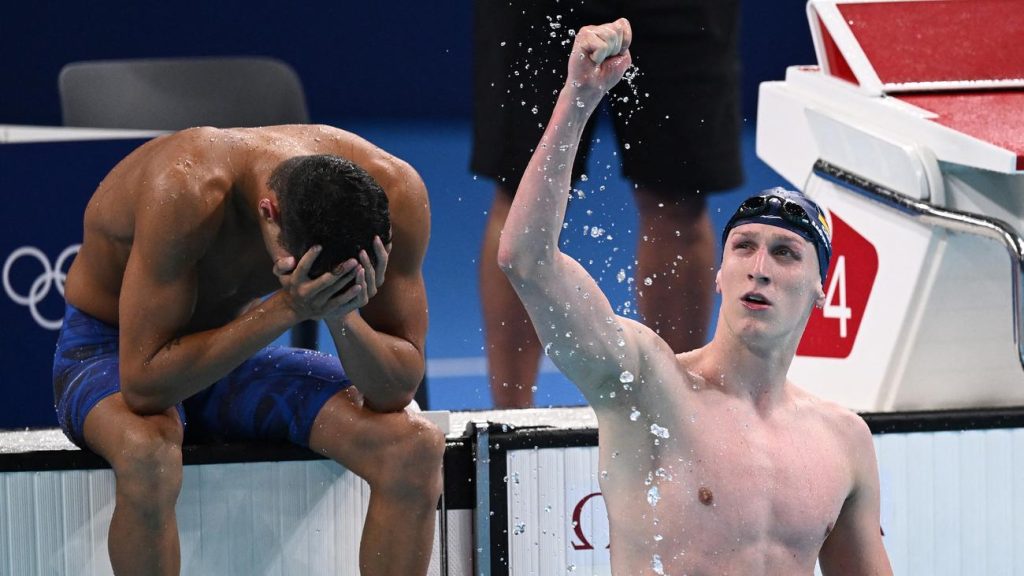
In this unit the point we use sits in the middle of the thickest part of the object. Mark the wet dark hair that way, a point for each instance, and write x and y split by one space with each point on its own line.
327 200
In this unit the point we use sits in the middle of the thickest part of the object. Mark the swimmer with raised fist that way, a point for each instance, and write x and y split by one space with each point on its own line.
711 461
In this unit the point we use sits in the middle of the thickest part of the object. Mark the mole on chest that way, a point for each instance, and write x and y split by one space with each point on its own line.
705 496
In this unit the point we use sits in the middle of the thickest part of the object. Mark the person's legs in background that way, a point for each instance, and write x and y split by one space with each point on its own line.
678 129
678 125
519 67
675 256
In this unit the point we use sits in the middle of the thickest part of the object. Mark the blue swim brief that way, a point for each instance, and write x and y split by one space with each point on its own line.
276 394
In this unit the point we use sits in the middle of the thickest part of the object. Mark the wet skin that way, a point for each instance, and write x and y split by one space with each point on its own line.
181 244
195 210
753 475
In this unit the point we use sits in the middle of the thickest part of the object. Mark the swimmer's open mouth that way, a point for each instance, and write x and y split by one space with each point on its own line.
756 298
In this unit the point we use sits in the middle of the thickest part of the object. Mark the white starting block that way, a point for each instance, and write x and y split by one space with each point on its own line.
910 133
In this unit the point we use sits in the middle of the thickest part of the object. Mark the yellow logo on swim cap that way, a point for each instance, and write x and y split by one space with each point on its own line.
824 225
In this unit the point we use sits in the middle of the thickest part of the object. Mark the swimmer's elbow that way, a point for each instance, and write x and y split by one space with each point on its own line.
142 404
506 257
136 396
519 259
393 403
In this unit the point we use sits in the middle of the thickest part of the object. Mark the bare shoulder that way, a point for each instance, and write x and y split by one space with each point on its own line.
844 424
841 419
180 175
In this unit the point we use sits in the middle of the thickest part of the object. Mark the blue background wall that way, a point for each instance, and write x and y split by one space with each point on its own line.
404 59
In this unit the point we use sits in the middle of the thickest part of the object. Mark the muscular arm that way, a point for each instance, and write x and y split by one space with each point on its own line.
855 546
161 364
580 331
381 347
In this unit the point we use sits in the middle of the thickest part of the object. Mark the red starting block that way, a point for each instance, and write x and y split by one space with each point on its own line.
910 133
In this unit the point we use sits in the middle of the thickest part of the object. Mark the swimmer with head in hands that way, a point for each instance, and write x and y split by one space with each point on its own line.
201 248
711 461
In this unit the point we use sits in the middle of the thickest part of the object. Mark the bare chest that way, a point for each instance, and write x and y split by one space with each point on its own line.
784 487
729 485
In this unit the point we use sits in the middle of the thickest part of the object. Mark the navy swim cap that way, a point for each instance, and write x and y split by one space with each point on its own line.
790 210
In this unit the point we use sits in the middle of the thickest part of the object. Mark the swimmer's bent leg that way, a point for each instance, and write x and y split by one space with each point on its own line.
304 396
144 451
399 455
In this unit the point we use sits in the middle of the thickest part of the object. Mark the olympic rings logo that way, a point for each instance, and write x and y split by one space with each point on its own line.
51 276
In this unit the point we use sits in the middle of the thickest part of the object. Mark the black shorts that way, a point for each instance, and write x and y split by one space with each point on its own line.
678 122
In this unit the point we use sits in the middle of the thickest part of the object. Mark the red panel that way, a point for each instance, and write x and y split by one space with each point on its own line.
837 64
942 40
831 331
994 116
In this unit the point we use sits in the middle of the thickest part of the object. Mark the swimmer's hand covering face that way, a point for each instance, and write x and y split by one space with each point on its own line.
347 287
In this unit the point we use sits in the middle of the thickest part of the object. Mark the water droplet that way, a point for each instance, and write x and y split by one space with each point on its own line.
656 565
658 538
547 349
634 415
626 377
520 527
570 568
653 495
620 276
648 281
659 431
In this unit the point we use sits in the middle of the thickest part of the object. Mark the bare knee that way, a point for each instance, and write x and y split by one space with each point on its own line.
147 462
411 459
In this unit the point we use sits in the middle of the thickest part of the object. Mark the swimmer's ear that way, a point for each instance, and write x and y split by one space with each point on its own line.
268 210
718 280
819 301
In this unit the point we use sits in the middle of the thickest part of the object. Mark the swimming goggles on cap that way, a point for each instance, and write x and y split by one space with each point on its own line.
791 212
